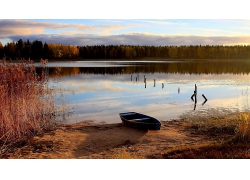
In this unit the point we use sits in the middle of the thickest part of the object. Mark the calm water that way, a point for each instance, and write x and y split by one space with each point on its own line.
103 89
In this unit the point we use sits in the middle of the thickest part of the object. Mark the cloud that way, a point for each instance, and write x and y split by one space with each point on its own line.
100 34
162 22
134 39
24 27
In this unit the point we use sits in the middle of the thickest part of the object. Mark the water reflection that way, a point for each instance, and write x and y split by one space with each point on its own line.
130 67
103 91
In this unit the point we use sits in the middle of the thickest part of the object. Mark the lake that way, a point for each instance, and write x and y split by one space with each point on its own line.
103 89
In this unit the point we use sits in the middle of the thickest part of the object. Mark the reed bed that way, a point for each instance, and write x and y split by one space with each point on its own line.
231 127
221 120
28 105
216 118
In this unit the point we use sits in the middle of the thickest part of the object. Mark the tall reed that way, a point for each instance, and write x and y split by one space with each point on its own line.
27 103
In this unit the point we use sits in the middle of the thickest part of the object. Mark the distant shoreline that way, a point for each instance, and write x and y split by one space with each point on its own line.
143 59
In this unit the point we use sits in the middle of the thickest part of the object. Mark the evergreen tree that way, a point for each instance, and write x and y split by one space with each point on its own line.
36 50
1 51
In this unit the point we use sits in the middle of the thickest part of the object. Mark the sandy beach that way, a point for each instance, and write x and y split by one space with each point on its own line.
87 140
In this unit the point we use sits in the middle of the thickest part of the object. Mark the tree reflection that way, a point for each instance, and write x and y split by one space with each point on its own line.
191 67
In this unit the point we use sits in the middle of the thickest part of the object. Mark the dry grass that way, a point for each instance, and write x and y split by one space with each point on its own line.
224 150
216 119
28 105
223 122
242 129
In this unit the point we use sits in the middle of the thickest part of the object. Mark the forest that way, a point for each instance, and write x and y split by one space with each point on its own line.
37 50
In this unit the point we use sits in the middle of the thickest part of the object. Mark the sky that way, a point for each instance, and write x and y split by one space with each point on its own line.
156 32
127 23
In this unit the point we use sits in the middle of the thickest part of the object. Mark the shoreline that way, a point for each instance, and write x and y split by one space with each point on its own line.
86 140
138 59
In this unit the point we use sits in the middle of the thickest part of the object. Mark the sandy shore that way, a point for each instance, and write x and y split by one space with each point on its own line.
86 140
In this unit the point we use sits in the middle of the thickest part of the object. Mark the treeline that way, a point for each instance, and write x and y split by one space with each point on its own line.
37 50
168 52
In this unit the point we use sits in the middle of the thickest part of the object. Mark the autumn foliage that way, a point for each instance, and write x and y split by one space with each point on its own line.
28 105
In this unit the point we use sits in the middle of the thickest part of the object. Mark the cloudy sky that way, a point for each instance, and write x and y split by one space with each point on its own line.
130 23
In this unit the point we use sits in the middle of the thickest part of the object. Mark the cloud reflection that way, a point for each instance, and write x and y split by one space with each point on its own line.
102 97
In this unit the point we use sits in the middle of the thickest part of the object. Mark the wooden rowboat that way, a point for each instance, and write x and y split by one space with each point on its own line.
140 121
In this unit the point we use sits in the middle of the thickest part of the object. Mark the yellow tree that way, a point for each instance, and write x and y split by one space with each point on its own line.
173 52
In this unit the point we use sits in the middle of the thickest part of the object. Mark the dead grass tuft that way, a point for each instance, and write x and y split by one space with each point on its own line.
242 129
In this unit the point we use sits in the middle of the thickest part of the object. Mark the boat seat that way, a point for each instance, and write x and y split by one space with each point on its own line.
140 119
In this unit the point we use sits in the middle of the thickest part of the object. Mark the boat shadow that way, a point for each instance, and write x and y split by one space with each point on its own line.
104 137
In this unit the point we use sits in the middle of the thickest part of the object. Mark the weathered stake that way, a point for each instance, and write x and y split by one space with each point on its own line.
204 102
194 106
195 94
204 97
192 97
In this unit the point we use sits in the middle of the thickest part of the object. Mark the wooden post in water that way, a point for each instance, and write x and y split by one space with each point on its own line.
162 85
178 90
204 97
195 98
204 102
194 106
154 82
131 77
195 94
192 97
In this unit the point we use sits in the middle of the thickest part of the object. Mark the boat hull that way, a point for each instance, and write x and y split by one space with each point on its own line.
140 121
